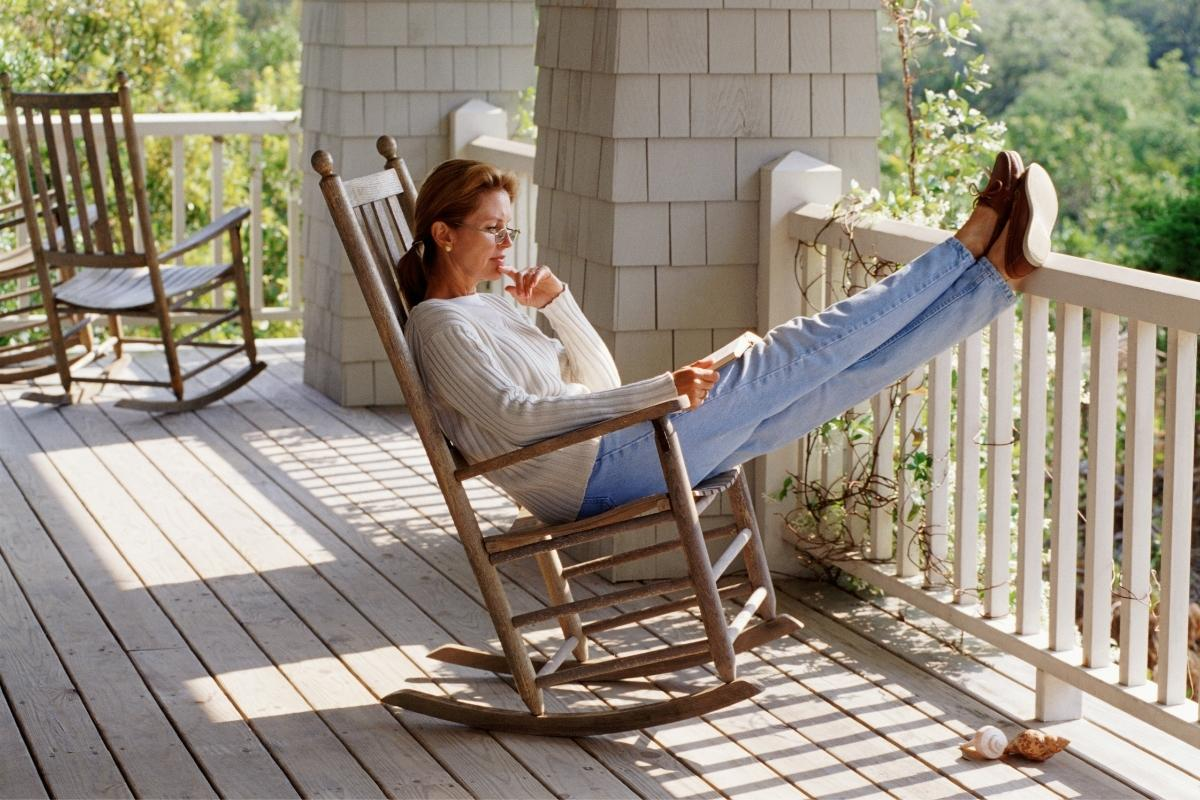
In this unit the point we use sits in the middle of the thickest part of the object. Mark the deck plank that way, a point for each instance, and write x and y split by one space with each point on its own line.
1133 767
151 754
1103 716
221 741
63 738
1066 776
21 779
309 751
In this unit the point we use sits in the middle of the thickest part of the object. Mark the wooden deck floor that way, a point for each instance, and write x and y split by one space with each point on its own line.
210 604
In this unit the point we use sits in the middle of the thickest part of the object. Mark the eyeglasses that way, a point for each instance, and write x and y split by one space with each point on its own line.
499 234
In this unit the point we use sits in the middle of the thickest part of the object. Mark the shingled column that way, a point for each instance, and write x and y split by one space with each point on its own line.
400 68
654 118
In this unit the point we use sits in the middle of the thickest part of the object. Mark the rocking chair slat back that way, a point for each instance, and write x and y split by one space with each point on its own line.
80 181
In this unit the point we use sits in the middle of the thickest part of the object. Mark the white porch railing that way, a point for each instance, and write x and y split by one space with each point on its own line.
1128 311
218 128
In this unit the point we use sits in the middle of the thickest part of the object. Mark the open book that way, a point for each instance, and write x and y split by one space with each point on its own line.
734 349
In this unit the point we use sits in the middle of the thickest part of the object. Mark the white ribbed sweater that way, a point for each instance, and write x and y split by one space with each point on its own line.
498 383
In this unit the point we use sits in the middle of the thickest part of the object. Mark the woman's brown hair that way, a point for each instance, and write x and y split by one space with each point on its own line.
450 193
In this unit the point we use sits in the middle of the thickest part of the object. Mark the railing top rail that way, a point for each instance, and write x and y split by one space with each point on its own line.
504 153
207 123
1137 294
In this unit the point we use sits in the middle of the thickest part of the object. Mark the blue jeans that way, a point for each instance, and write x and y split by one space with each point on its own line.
810 369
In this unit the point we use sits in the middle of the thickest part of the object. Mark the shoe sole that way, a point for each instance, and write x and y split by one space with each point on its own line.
1043 211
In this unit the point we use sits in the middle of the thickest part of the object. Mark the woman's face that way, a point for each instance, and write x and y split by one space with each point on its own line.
475 249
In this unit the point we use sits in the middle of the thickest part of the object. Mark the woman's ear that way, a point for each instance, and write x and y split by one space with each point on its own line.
443 235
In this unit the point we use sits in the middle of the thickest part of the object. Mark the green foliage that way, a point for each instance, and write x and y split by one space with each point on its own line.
1166 230
936 144
180 55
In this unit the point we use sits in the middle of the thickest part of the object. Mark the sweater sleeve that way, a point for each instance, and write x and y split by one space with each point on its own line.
588 360
463 373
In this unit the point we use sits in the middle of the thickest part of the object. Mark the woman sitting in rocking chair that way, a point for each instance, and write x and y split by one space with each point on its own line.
499 383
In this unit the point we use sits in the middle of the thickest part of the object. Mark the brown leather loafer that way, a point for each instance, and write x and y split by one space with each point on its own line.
1034 210
1002 182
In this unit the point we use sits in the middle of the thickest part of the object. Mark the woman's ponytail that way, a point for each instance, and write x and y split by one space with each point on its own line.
413 275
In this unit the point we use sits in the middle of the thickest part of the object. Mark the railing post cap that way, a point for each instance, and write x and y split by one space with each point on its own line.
795 161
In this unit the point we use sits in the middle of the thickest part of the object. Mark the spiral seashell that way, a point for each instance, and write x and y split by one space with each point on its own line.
1036 745
990 741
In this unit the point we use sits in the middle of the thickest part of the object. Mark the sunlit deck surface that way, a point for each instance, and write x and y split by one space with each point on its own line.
211 604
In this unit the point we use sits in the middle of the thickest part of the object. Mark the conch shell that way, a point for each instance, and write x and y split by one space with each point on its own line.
987 743
1035 745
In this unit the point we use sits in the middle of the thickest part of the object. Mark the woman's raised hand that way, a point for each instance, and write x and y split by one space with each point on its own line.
533 286
695 380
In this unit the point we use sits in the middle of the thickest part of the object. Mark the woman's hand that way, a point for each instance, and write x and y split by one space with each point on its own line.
695 380
534 286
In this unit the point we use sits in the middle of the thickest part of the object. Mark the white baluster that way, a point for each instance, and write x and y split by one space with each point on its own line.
1064 500
178 200
937 505
966 488
1177 516
217 185
256 244
907 555
1139 488
295 243
881 529
1102 454
1032 492
999 489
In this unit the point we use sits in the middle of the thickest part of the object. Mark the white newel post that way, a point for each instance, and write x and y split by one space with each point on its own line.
654 120
371 67
785 185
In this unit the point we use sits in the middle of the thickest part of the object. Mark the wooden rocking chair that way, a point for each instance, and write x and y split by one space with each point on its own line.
66 162
368 215
32 356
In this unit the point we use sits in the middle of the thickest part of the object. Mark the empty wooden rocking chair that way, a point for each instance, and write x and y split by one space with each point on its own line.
73 152
367 213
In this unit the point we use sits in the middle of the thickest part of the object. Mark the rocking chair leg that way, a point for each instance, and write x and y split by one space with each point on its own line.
242 293
495 600
755 556
115 330
560 592
679 490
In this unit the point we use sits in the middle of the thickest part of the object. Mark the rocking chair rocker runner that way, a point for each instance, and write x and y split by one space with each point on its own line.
368 215
66 161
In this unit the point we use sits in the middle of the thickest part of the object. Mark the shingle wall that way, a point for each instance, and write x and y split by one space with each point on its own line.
654 117
388 66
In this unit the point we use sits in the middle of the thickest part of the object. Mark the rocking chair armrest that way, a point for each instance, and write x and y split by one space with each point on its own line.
228 220
544 446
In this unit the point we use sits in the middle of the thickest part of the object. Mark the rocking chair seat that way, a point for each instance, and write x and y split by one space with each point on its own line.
127 289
